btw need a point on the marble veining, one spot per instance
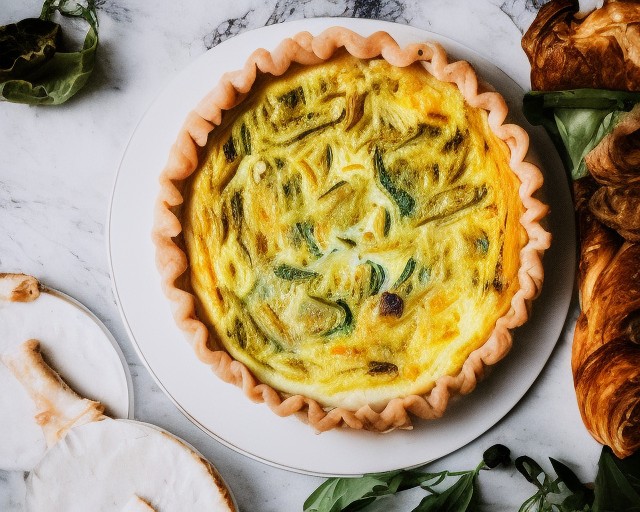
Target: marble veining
(58, 164)
(521, 13)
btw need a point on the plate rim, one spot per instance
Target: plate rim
(70, 301)
(348, 23)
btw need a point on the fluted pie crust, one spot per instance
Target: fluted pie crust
(379, 411)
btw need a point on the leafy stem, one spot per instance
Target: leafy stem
(617, 487)
(350, 494)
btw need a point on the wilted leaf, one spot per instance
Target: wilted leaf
(26, 45)
(57, 79)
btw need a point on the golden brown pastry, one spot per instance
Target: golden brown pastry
(615, 165)
(606, 347)
(600, 51)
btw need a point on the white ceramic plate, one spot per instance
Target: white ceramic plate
(221, 409)
(79, 347)
(136, 454)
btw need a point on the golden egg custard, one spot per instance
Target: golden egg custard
(349, 239)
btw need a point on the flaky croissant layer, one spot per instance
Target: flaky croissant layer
(606, 347)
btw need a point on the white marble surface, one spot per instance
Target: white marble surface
(57, 166)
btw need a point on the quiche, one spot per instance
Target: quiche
(347, 229)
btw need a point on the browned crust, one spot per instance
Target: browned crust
(606, 354)
(172, 262)
(19, 287)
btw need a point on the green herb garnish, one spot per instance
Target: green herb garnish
(406, 273)
(350, 494)
(289, 273)
(387, 222)
(346, 326)
(306, 231)
(333, 187)
(617, 487)
(34, 69)
(406, 204)
(563, 494)
(376, 277)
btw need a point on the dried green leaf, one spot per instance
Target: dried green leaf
(26, 45)
(60, 77)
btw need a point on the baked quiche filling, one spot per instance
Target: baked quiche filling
(353, 231)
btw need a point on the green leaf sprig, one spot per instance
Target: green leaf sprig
(616, 489)
(352, 494)
(562, 494)
(33, 68)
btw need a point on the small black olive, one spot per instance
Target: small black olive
(391, 304)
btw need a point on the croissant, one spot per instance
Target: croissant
(615, 164)
(600, 51)
(606, 345)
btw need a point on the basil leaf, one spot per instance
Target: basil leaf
(568, 477)
(537, 102)
(457, 498)
(350, 494)
(496, 455)
(65, 73)
(577, 120)
(531, 470)
(581, 130)
(617, 485)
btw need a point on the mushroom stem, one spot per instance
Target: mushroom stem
(18, 287)
(59, 408)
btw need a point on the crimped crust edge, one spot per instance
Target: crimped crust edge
(303, 48)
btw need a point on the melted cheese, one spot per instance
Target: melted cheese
(331, 198)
